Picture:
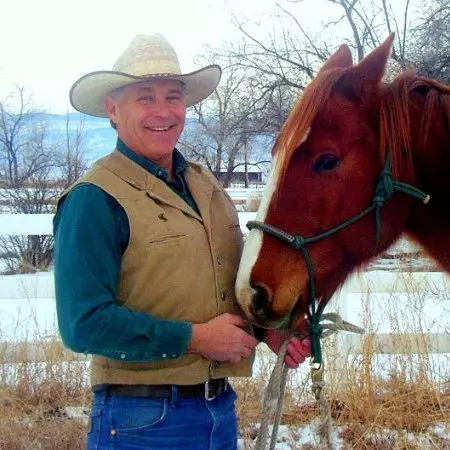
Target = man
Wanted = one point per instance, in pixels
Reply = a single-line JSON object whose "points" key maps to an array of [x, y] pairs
{"points": [[147, 247]]}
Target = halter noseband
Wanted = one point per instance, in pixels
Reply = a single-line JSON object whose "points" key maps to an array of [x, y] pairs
{"points": [[383, 192]]}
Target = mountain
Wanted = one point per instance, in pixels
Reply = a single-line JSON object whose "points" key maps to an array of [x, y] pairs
{"points": [[99, 136]]}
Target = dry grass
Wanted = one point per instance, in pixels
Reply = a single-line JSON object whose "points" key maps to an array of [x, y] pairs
{"points": [[379, 418], [393, 403], [33, 397], [27, 426], [377, 401]]}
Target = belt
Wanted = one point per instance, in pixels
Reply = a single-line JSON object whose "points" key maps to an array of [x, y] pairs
{"points": [[209, 390]]}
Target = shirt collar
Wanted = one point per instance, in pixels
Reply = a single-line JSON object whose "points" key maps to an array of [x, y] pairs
{"points": [[179, 163]]}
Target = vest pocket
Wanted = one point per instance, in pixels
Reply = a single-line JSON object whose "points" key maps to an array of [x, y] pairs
{"points": [[166, 239]]}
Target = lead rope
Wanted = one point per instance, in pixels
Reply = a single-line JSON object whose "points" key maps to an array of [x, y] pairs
{"points": [[384, 190], [274, 393], [273, 397]]}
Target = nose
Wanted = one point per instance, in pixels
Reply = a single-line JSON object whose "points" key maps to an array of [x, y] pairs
{"points": [[161, 109], [260, 304]]}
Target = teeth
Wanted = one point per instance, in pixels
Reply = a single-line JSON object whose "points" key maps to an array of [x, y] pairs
{"points": [[159, 128]]}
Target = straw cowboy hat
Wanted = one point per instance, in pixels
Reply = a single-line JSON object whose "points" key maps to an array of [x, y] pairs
{"points": [[146, 58]]}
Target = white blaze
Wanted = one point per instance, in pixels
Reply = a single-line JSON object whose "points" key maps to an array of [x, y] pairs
{"points": [[253, 243]]}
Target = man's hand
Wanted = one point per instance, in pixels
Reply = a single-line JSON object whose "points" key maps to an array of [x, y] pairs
{"points": [[297, 350], [222, 339]]}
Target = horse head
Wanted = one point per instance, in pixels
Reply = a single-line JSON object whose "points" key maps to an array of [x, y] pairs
{"points": [[326, 166]]}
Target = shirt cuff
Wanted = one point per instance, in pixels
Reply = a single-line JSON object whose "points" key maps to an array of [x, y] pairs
{"points": [[169, 340]]}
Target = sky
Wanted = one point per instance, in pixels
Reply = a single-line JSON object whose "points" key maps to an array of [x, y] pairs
{"points": [[47, 45]]}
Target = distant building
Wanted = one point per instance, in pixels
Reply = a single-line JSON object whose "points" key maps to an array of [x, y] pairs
{"points": [[255, 175]]}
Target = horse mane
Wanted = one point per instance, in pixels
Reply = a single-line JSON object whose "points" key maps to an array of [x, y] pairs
{"points": [[299, 121], [395, 139], [394, 115]]}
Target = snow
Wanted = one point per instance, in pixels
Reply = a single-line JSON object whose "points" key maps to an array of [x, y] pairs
{"points": [[372, 299], [23, 224], [290, 438], [27, 319]]}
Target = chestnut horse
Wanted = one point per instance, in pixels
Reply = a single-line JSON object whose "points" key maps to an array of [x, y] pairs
{"points": [[349, 167]]}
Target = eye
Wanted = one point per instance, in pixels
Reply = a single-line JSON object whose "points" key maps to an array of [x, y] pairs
{"points": [[174, 99], [145, 99], [326, 162]]}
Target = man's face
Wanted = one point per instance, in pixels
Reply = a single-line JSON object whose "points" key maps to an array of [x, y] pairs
{"points": [[149, 117]]}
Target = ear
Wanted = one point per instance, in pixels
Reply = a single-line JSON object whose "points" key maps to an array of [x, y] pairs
{"points": [[341, 58], [110, 108], [372, 68]]}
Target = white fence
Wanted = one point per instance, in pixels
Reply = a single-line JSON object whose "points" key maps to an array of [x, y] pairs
{"points": [[22, 224], [31, 297]]}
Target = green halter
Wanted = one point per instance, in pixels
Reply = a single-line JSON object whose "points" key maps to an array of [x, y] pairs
{"points": [[384, 190]]}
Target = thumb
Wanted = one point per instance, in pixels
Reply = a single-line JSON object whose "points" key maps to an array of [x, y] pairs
{"points": [[238, 321]]}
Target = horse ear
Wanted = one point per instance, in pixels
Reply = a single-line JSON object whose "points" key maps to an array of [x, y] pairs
{"points": [[341, 58], [371, 69]]}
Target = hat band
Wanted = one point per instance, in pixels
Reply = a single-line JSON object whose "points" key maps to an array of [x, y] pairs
{"points": [[139, 69]]}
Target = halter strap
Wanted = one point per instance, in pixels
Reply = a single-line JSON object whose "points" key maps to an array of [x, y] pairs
{"points": [[384, 190]]}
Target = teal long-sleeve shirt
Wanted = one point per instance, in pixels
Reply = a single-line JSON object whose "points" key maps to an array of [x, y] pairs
{"points": [[91, 232]]}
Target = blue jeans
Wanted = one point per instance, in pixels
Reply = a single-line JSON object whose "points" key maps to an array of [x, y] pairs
{"points": [[189, 423]]}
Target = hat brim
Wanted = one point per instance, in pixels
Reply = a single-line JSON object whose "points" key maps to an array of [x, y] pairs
{"points": [[88, 93]]}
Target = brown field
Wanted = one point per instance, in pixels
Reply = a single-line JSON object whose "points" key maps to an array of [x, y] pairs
{"points": [[370, 410]]}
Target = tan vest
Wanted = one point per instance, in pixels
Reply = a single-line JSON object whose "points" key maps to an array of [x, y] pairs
{"points": [[177, 266]]}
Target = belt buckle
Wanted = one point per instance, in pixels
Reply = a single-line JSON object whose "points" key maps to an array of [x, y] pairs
{"points": [[207, 396]]}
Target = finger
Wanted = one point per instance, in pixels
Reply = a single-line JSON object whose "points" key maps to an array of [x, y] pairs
{"points": [[307, 347], [302, 347], [290, 362], [251, 341], [296, 356], [307, 343], [238, 321], [247, 340]]}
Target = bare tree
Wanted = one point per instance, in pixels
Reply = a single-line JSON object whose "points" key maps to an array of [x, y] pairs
{"points": [[431, 51], [267, 69], [223, 129], [72, 157], [33, 171], [288, 54], [26, 159], [13, 139]]}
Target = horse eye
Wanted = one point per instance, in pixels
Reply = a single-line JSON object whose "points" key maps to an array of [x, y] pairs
{"points": [[326, 163]]}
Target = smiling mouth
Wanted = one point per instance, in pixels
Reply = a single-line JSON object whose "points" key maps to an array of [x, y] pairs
{"points": [[160, 129]]}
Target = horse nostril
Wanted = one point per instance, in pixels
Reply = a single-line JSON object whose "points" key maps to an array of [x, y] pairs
{"points": [[260, 302]]}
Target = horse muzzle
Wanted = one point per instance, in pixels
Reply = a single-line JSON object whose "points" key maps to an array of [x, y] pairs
{"points": [[261, 312]]}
